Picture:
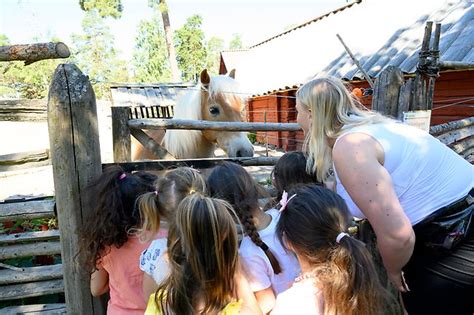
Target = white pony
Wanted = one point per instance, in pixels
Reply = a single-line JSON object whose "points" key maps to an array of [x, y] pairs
{"points": [[214, 99]]}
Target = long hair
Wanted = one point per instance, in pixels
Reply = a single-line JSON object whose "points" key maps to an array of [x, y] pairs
{"points": [[344, 271], [203, 254], [111, 198], [232, 183], [290, 170], [332, 107], [170, 189]]}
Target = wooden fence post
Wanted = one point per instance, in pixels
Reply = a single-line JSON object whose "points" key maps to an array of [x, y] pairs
{"points": [[75, 154], [121, 134], [387, 92]]}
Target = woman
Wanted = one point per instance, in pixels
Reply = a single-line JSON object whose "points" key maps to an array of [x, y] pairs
{"points": [[401, 179]]}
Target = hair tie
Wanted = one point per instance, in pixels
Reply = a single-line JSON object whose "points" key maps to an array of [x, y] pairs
{"points": [[340, 236], [122, 176], [156, 192], [285, 200], [192, 191]]}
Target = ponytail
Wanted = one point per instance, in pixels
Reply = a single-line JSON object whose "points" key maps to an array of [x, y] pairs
{"points": [[150, 214]]}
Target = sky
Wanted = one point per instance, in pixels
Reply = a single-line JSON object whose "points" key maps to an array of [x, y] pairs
{"points": [[255, 20]]}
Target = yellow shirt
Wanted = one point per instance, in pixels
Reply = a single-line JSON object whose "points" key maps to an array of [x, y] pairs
{"points": [[233, 308]]}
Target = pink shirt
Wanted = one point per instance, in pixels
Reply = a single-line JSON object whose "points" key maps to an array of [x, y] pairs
{"points": [[125, 278]]}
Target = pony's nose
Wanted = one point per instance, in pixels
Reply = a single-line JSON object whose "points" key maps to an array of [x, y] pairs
{"points": [[244, 152]]}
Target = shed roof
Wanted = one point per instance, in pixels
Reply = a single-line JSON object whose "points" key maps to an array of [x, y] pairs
{"points": [[379, 33]]}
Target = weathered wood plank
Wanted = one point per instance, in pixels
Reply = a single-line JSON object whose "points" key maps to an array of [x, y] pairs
{"points": [[34, 52], [456, 135], [75, 154], [31, 274], [456, 65], [463, 146], [30, 249], [24, 290], [210, 125], [29, 236], [41, 309], [452, 125], [121, 134], [24, 157], [387, 90], [151, 145], [23, 110], [11, 211]]}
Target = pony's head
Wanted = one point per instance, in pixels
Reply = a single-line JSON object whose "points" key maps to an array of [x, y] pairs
{"points": [[221, 100]]}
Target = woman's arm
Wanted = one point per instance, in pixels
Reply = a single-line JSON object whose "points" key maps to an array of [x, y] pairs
{"points": [[249, 303], [266, 299], [99, 282], [149, 286], [358, 159]]}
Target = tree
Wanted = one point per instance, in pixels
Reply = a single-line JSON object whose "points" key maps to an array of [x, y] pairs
{"points": [[163, 7], [214, 47], [236, 42], [95, 55], [149, 56], [112, 8], [190, 48]]}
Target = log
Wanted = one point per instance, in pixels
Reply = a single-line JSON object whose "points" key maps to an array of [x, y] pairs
{"points": [[50, 309], [150, 144], [456, 135], [31, 249], [452, 125], [387, 91], [121, 134], [210, 125], [75, 155], [24, 157], [11, 211], [455, 65], [24, 290], [34, 52], [29, 236], [23, 110], [31, 274]]}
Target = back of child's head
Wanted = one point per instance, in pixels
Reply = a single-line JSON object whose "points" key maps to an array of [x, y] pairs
{"points": [[313, 224], [203, 252], [290, 170], [112, 199], [170, 189], [231, 182]]}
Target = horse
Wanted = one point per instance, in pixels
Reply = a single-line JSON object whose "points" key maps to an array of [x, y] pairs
{"points": [[215, 98]]}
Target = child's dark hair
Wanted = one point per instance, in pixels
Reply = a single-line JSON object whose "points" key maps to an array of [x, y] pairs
{"points": [[310, 224], [290, 170], [232, 183], [112, 201]]}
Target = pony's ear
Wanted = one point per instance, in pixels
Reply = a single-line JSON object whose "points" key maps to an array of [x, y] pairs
{"points": [[232, 73], [205, 78]]}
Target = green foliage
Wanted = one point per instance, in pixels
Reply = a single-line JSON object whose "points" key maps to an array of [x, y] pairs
{"points": [[191, 48], [236, 42], [106, 8], [252, 137], [95, 55], [150, 57], [214, 47]]}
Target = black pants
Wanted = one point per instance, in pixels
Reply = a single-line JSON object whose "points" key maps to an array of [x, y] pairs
{"points": [[441, 284]]}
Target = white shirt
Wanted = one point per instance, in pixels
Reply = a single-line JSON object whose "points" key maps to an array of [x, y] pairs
{"points": [[303, 298], [426, 174], [154, 262], [257, 266]]}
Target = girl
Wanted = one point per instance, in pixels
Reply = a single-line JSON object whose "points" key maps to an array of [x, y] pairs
{"points": [[156, 206], [269, 268], [110, 253], [338, 275], [204, 277]]}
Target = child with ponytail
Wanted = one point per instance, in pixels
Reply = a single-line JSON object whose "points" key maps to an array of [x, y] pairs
{"points": [[110, 252], [338, 275], [269, 268], [158, 207]]}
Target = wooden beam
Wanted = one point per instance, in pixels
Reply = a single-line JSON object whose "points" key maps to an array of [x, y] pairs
{"points": [[456, 135], [23, 110], [24, 157], [150, 144], [25, 290], [56, 308], [31, 274], [455, 65], [452, 125], [34, 52], [160, 165], [29, 236], [30, 249], [121, 134], [387, 92], [11, 211], [188, 124]]}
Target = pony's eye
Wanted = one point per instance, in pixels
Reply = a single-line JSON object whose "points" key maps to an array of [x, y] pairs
{"points": [[214, 111]]}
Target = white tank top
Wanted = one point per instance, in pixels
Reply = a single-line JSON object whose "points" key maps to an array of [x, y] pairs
{"points": [[426, 174]]}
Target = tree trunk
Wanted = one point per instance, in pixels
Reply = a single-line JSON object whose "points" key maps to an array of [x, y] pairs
{"points": [[169, 41], [34, 52]]}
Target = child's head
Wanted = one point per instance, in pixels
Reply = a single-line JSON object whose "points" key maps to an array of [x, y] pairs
{"points": [[311, 224], [112, 200], [169, 190], [203, 252], [232, 183]]}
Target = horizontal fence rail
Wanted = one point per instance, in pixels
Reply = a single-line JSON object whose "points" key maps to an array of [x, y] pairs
{"points": [[188, 124]]}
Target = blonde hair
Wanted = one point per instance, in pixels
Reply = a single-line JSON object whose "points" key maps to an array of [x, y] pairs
{"points": [[203, 254], [332, 107], [173, 187]]}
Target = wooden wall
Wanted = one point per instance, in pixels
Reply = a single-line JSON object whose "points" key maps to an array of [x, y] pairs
{"points": [[454, 87]]}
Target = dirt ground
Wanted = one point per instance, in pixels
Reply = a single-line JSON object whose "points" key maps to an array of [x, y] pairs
{"points": [[35, 182]]}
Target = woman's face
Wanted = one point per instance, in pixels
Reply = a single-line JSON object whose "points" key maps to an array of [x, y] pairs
{"points": [[303, 117]]}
